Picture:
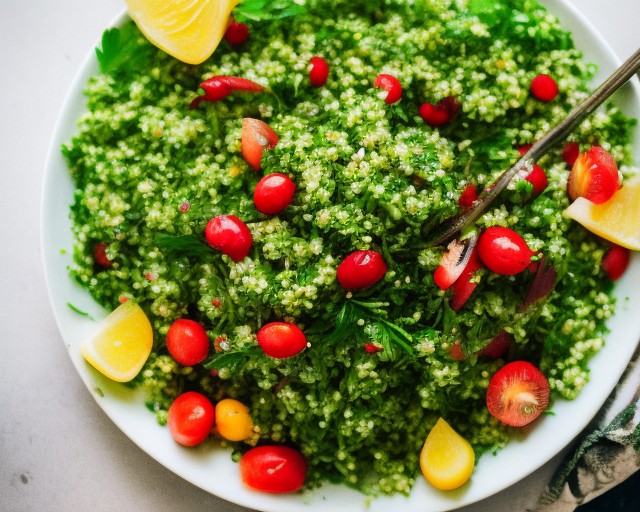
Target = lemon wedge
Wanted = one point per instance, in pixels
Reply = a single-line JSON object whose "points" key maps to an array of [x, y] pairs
{"points": [[447, 458], [617, 219], [122, 344], [189, 30]]}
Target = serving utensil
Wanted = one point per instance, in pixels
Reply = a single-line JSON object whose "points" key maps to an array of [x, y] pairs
{"points": [[525, 164]]}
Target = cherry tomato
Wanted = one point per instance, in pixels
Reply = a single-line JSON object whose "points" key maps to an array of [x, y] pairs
{"points": [[230, 235], [454, 261], [190, 418], [236, 33], [273, 193], [390, 84], [319, 71], [281, 340], [594, 176], [517, 393], [570, 153], [504, 251], [187, 342], [455, 351], [361, 269], [440, 113], [544, 88], [616, 261], [538, 178], [468, 196], [256, 137], [273, 469], [233, 421], [463, 287], [100, 255], [497, 347]]}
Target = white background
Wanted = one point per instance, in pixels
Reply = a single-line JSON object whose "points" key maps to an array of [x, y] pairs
{"points": [[58, 450]]}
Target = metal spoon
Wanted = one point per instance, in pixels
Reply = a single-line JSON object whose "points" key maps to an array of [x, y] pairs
{"points": [[619, 77]]}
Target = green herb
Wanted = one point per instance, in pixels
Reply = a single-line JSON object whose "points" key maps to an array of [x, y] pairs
{"points": [[231, 359], [258, 10], [186, 245], [123, 50], [79, 311]]}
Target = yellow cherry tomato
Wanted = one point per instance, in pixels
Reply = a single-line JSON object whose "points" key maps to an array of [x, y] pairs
{"points": [[447, 458], [233, 421]]}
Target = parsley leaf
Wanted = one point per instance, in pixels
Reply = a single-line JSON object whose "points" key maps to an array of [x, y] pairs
{"points": [[257, 10], [123, 49], [186, 245]]}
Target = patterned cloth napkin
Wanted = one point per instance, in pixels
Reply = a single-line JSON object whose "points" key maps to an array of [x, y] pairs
{"points": [[606, 454]]}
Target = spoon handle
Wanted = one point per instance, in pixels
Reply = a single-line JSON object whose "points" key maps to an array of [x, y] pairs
{"points": [[619, 77]]}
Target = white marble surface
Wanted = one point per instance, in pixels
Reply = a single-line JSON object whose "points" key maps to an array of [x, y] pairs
{"points": [[58, 450]]}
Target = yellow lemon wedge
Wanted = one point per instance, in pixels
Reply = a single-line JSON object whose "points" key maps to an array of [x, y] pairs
{"points": [[122, 343], [447, 458], [617, 219], [189, 30]]}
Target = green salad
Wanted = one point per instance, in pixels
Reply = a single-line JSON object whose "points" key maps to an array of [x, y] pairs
{"points": [[385, 361]]}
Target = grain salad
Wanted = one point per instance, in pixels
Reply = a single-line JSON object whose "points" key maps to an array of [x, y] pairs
{"points": [[384, 361]]}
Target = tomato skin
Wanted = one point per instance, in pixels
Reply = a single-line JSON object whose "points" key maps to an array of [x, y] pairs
{"points": [[498, 346], [538, 178], [256, 137], [517, 393], [544, 88], [454, 261], [187, 342], [463, 287], [570, 153], [504, 251], [281, 340], [273, 193], [236, 33], [468, 196], [273, 469], [390, 84], [190, 418], [230, 235], [319, 72], [440, 113], [100, 255], [361, 269], [615, 261]]}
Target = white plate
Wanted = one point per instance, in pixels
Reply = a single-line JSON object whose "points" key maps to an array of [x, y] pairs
{"points": [[210, 467]]}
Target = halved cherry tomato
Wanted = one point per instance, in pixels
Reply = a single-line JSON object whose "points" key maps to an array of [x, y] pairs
{"points": [[230, 235], [319, 72], [504, 251], [190, 418], [440, 113], [273, 193], [233, 421], [361, 269], [454, 261], [256, 137], [517, 393], [273, 469], [390, 84], [594, 176], [281, 340], [463, 287], [187, 342]]}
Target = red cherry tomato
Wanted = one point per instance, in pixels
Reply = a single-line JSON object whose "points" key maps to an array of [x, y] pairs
{"points": [[570, 153], [616, 261], [504, 251], [100, 255], [538, 178], [440, 113], [497, 347], [390, 84], [230, 235], [273, 469], [468, 196], [281, 340], [517, 393], [190, 418], [361, 269], [273, 193], [544, 88], [236, 33], [256, 137], [187, 342], [319, 71], [463, 287]]}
